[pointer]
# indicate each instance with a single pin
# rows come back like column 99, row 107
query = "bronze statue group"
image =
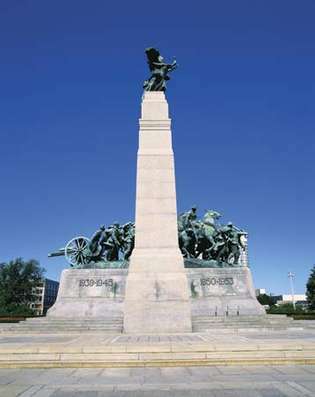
column 208, row 240
column 203, row 239
column 113, row 242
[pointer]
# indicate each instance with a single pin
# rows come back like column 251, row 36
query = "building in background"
column 299, row 299
column 278, row 300
column 45, row 296
column 260, row 291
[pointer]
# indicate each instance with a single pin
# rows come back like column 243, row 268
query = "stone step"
column 245, row 318
column 81, row 320
column 197, row 325
column 245, row 328
column 209, row 321
column 223, row 321
column 241, row 330
column 52, row 329
column 239, row 319
column 84, row 352
column 64, row 331
column 65, row 325
column 68, row 325
column 73, row 320
column 241, row 324
column 309, row 323
column 237, row 323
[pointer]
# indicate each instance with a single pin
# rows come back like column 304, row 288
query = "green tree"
column 310, row 289
column 265, row 299
column 17, row 279
column 285, row 308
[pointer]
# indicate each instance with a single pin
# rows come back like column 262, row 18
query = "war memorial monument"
column 170, row 288
column 164, row 272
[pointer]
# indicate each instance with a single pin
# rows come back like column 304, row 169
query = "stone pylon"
column 157, row 297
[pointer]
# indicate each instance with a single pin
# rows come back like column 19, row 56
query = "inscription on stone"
column 90, row 282
column 216, row 281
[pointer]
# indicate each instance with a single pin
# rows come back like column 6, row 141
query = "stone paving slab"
column 219, row 381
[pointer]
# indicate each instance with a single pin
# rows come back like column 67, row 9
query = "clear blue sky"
column 242, row 103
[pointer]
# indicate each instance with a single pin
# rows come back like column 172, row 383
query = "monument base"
column 99, row 295
column 90, row 293
column 223, row 292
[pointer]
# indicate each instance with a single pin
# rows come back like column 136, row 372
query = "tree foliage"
column 285, row 308
column 17, row 279
column 265, row 299
column 310, row 289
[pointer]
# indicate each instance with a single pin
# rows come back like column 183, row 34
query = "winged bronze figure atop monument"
column 159, row 71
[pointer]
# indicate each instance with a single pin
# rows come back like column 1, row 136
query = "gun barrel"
column 61, row 252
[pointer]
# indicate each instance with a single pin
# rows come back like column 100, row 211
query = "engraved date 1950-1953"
column 216, row 281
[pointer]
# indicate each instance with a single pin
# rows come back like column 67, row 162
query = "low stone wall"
column 99, row 293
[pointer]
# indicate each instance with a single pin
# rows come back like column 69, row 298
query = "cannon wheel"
column 77, row 251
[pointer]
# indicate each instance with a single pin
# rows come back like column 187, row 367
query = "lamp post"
column 291, row 277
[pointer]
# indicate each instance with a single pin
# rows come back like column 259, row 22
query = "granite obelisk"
column 157, row 298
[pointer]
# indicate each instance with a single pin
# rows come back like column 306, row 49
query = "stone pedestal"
column 100, row 293
column 223, row 292
column 90, row 294
column 157, row 296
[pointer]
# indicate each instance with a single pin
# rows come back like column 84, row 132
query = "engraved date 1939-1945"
column 90, row 282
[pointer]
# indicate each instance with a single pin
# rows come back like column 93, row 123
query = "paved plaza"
column 96, row 365
column 219, row 347
column 165, row 365
column 213, row 381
